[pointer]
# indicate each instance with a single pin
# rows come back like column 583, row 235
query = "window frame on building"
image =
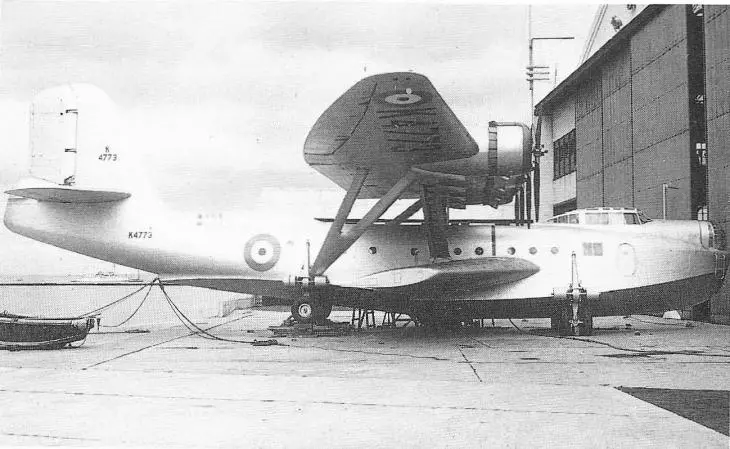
column 564, row 155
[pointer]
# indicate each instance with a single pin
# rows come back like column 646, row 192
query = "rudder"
column 74, row 146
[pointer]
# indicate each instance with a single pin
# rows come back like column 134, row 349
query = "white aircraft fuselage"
column 660, row 265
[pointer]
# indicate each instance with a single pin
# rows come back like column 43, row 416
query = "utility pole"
column 536, row 70
column 535, row 73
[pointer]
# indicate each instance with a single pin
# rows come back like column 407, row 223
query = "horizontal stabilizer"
column 457, row 275
column 47, row 191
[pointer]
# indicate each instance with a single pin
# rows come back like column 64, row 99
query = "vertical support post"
column 665, row 187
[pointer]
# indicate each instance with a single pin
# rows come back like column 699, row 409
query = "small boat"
column 24, row 332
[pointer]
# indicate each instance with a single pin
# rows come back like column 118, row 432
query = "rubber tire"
column 586, row 330
column 555, row 323
column 564, row 326
column 308, row 311
column 321, row 312
column 303, row 311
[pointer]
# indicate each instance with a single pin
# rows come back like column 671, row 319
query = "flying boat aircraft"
column 390, row 137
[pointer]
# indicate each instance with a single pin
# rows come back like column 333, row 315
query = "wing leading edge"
column 386, row 124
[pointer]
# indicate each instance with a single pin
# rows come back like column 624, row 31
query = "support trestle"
column 574, row 315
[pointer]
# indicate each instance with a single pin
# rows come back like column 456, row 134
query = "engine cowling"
column 508, row 149
column 493, row 175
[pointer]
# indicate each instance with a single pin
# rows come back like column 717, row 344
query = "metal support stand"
column 360, row 316
column 391, row 319
column 575, row 316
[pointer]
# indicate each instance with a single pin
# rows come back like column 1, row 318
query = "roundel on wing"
column 405, row 98
column 262, row 252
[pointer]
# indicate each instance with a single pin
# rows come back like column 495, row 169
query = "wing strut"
column 337, row 242
column 436, row 221
column 406, row 214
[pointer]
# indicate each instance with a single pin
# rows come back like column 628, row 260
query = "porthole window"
column 533, row 250
column 372, row 250
column 414, row 251
column 511, row 251
column 554, row 250
column 479, row 251
column 457, row 251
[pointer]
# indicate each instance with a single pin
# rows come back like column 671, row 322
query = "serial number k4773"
column 140, row 235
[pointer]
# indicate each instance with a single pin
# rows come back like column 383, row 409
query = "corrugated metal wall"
column 717, row 51
column 717, row 66
column 632, row 118
column 659, row 105
column 589, row 141
column 618, row 164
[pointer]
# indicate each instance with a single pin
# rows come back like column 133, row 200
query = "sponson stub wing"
column 391, row 137
column 452, row 276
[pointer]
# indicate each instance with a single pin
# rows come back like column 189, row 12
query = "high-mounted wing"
column 392, row 136
column 386, row 124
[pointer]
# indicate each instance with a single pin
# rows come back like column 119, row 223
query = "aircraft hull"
column 667, row 267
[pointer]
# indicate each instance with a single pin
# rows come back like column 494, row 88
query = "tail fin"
column 75, row 156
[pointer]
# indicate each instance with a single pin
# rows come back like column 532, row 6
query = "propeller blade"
column 536, row 188
column 528, row 198
column 537, row 154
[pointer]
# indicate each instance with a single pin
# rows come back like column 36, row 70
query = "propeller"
column 528, row 198
column 529, row 188
column 536, row 155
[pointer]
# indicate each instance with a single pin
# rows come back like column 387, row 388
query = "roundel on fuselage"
column 262, row 252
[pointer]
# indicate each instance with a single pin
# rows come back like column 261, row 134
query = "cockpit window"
column 643, row 218
column 596, row 218
column 631, row 218
column 602, row 216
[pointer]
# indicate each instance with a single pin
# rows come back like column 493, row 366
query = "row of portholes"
column 511, row 250
column 415, row 251
column 479, row 251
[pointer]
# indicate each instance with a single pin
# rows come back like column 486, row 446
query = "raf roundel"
column 262, row 252
column 403, row 99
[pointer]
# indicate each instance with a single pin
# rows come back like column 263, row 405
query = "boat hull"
column 22, row 332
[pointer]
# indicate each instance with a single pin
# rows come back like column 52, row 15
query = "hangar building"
column 645, row 121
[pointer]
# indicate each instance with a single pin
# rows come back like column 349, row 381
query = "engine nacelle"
column 509, row 149
column 493, row 175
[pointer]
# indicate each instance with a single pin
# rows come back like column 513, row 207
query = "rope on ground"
column 194, row 328
column 146, row 295
column 97, row 311
column 619, row 348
